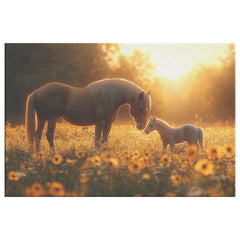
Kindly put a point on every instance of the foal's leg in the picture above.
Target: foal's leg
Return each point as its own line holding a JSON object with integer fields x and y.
{"x": 197, "y": 146}
{"x": 195, "y": 143}
{"x": 38, "y": 134}
{"x": 172, "y": 147}
{"x": 200, "y": 143}
{"x": 164, "y": 146}
{"x": 172, "y": 144}
{"x": 50, "y": 131}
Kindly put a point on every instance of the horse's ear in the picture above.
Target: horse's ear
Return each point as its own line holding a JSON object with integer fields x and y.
{"x": 141, "y": 94}
{"x": 149, "y": 92}
{"x": 154, "y": 118}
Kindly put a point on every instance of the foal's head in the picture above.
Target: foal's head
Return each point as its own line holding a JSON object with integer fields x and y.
{"x": 151, "y": 126}
{"x": 140, "y": 108}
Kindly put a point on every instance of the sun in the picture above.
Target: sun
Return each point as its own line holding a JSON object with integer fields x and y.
{"x": 175, "y": 59}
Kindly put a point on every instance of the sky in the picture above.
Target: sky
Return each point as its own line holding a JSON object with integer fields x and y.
{"x": 173, "y": 60}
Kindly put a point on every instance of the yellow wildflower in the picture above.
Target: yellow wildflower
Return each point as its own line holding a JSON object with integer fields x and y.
{"x": 41, "y": 155}
{"x": 36, "y": 190}
{"x": 176, "y": 179}
{"x": 136, "y": 154}
{"x": 113, "y": 162}
{"x": 165, "y": 159}
{"x": 204, "y": 166}
{"x": 191, "y": 152}
{"x": 56, "y": 189}
{"x": 229, "y": 150}
{"x": 126, "y": 156}
{"x": 80, "y": 154}
{"x": 57, "y": 159}
{"x": 213, "y": 152}
{"x": 71, "y": 162}
{"x": 146, "y": 176}
{"x": 13, "y": 176}
{"x": 134, "y": 166}
{"x": 146, "y": 154}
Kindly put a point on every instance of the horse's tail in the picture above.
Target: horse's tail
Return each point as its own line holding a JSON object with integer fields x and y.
{"x": 30, "y": 119}
{"x": 200, "y": 137}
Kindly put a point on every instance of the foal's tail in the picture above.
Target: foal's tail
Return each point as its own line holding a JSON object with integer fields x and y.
{"x": 30, "y": 119}
{"x": 200, "y": 137}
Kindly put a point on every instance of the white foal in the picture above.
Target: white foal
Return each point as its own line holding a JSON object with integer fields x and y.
{"x": 170, "y": 135}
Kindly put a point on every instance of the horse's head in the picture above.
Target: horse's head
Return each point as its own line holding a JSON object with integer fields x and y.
{"x": 151, "y": 125}
{"x": 140, "y": 108}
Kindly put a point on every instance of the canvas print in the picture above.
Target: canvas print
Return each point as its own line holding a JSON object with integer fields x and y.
{"x": 120, "y": 119}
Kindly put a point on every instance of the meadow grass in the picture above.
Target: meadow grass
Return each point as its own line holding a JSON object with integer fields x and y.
{"x": 132, "y": 164}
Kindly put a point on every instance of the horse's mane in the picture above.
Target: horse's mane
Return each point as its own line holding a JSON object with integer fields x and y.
{"x": 114, "y": 91}
{"x": 163, "y": 126}
{"x": 163, "y": 123}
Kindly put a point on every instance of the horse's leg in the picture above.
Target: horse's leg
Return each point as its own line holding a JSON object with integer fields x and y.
{"x": 50, "y": 131}
{"x": 98, "y": 133}
{"x": 106, "y": 131}
{"x": 38, "y": 134}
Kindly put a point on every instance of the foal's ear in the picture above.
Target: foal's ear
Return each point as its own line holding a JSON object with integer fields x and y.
{"x": 152, "y": 118}
{"x": 141, "y": 94}
{"x": 149, "y": 92}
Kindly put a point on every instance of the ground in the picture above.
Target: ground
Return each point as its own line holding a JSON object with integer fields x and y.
{"x": 132, "y": 164}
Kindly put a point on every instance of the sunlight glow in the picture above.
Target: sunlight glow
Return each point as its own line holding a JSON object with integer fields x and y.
{"x": 173, "y": 60}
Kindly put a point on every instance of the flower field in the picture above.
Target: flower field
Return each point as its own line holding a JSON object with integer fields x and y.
{"x": 132, "y": 164}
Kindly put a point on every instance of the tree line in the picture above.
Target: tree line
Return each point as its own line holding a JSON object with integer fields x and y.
{"x": 206, "y": 91}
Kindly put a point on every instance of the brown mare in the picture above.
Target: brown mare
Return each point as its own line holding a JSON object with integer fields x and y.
{"x": 97, "y": 104}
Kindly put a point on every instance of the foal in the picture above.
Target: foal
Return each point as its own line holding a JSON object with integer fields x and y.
{"x": 169, "y": 135}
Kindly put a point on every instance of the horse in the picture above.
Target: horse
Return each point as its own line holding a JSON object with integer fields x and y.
{"x": 96, "y": 104}
{"x": 170, "y": 135}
